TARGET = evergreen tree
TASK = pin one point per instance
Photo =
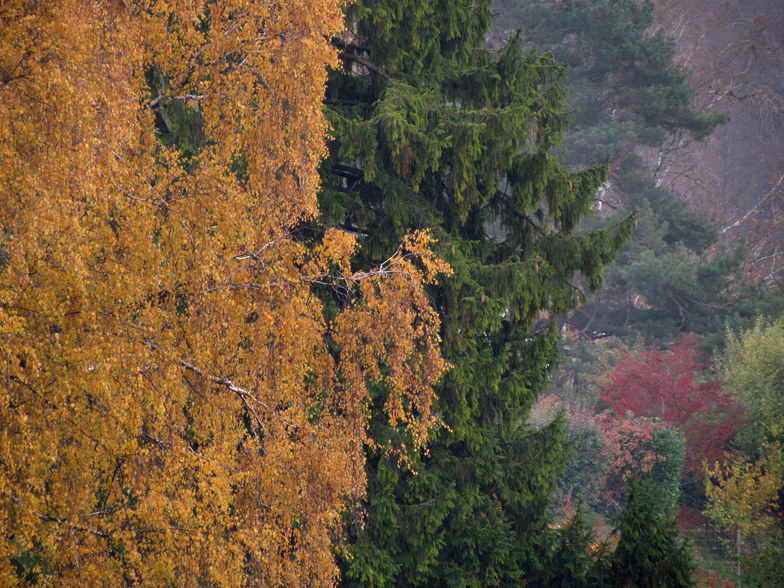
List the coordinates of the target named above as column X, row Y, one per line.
column 433, row 131
column 670, row 279
column 628, row 94
column 649, row 553
column 622, row 77
column 568, row 565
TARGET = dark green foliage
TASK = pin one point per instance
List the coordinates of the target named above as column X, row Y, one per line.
column 29, row 564
column 649, row 553
column 568, row 566
column 665, row 476
column 666, row 282
column 766, row 567
column 412, row 38
column 432, row 131
column 586, row 471
column 179, row 123
column 627, row 92
column 621, row 73
column 672, row 278
column 4, row 257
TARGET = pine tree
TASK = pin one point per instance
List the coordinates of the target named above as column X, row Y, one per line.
column 672, row 278
column 431, row 130
column 629, row 95
column 622, row 76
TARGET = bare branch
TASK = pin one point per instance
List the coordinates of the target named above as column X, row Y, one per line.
column 754, row 208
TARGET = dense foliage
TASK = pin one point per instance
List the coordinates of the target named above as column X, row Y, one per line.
column 225, row 354
column 432, row 130
column 175, row 407
column 649, row 553
column 747, row 494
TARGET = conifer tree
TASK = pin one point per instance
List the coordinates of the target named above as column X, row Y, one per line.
column 629, row 95
column 431, row 130
column 622, row 76
column 649, row 553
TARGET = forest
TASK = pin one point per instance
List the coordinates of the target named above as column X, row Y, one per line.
column 391, row 293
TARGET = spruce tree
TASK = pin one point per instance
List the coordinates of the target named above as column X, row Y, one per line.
column 433, row 131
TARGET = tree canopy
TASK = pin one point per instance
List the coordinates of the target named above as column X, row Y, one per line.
column 433, row 130
column 747, row 494
column 177, row 403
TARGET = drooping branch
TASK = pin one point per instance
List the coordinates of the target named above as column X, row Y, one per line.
column 365, row 63
column 243, row 394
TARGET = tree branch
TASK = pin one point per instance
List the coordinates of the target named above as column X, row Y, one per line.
column 751, row 211
column 365, row 63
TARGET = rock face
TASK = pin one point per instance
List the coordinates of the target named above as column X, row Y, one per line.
column 735, row 52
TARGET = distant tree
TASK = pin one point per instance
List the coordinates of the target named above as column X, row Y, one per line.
column 753, row 368
column 649, row 553
column 630, row 96
column 666, row 385
column 621, row 73
column 672, row 278
column 737, row 179
column 748, row 497
column 585, row 474
column 748, row 493
column 642, row 449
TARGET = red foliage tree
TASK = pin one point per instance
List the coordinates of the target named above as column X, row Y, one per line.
column 665, row 384
column 630, row 451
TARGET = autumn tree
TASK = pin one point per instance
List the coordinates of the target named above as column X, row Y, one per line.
column 432, row 130
column 666, row 384
column 642, row 449
column 176, row 407
column 745, row 496
column 748, row 492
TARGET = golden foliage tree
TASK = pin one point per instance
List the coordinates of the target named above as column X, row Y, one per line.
column 175, row 408
column 743, row 495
